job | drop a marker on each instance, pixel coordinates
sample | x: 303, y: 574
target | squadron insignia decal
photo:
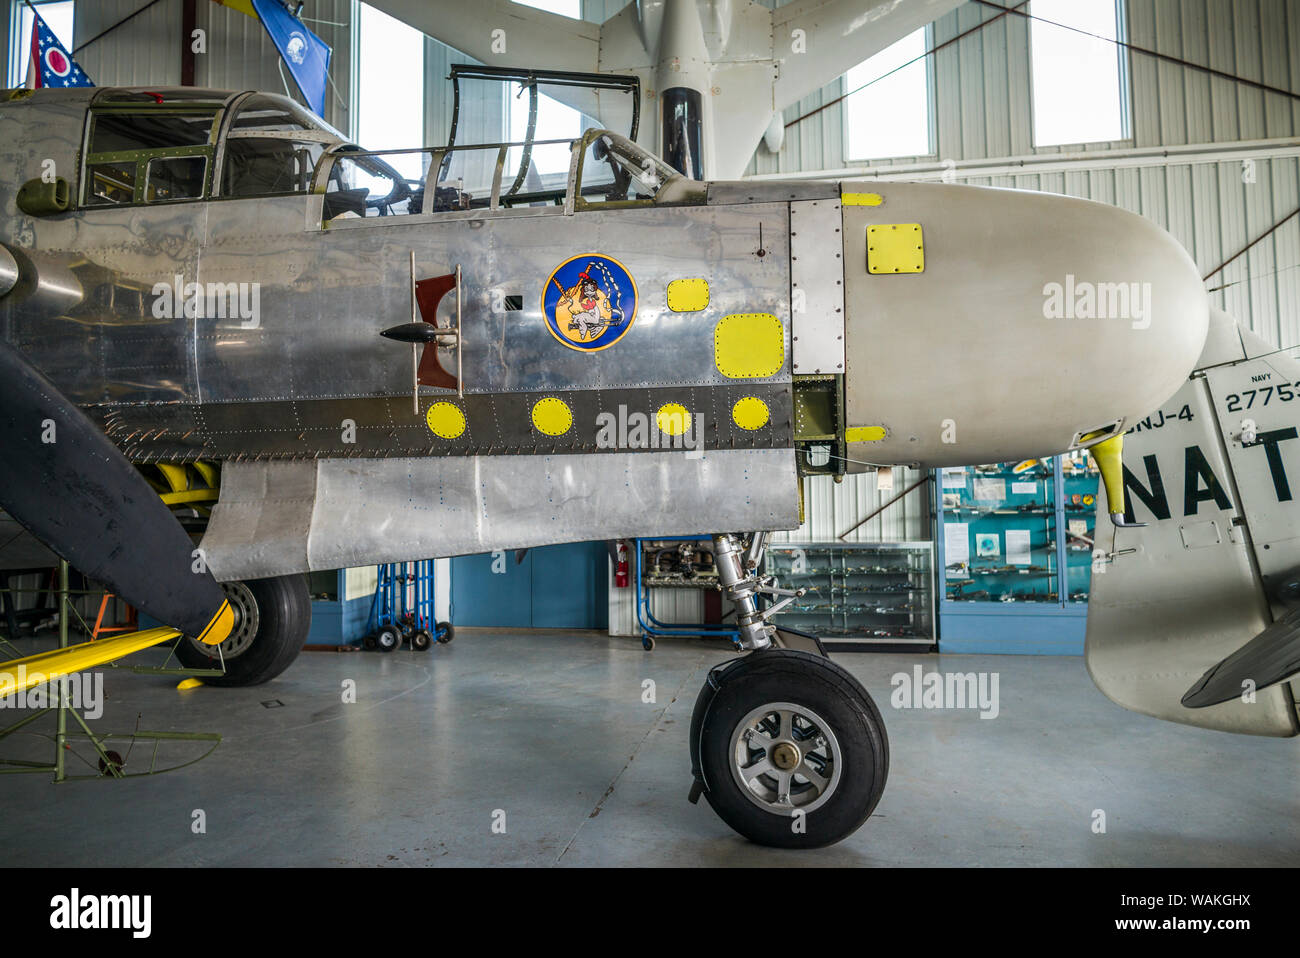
x: 589, y: 302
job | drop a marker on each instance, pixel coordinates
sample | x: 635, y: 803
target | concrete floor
x: 552, y: 730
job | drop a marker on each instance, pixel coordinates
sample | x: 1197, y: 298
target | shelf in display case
x: 860, y: 596
x: 1015, y: 549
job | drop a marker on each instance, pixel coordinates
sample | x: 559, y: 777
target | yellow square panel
x: 749, y: 345
x: 688, y: 295
x: 895, y: 248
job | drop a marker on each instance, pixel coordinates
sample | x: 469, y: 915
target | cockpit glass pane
x: 175, y: 178
x: 361, y: 186
x: 268, y: 165
x: 114, y: 132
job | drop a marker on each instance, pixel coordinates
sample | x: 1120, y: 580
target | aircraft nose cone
x: 1036, y: 318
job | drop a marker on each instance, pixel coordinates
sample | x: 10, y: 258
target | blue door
x: 555, y: 587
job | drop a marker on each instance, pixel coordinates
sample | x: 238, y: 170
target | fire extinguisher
x: 620, y: 568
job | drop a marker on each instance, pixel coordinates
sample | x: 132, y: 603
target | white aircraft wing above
x: 531, y: 37
x: 840, y: 34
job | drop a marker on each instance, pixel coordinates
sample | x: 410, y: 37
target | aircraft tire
x: 277, y: 616
x: 825, y: 702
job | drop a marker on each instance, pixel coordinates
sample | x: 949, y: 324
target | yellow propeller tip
x: 187, y: 684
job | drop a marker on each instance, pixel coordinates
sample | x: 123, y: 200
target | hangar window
x: 154, y: 156
x: 566, y: 8
x: 887, y: 110
x: 389, y: 106
x: 58, y: 16
x: 1080, y: 79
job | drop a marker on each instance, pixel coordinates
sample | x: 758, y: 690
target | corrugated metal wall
x: 982, y: 105
x: 145, y: 51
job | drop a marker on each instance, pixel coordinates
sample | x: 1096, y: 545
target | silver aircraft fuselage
x: 935, y: 324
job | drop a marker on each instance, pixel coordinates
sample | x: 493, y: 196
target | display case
x: 860, y: 596
x: 1015, y: 548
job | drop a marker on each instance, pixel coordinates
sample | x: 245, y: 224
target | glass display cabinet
x: 1015, y: 548
x: 874, y: 596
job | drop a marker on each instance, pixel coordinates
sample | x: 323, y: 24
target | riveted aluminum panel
x: 817, y: 286
x: 287, y: 517
x: 383, y: 427
x: 345, y: 285
x: 729, y: 192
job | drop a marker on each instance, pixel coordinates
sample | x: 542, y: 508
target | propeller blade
x: 71, y: 488
x: 1265, y: 660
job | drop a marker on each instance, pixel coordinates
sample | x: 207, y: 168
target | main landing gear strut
x: 787, y: 747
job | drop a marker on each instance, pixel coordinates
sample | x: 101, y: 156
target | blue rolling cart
x: 403, y: 610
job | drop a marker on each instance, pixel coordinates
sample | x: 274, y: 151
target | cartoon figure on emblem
x: 584, y: 309
x: 589, y: 302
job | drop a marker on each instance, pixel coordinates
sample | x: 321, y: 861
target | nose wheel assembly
x: 786, y: 746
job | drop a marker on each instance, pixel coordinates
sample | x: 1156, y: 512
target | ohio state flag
x: 51, y: 65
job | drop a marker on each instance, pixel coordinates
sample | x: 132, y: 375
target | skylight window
x: 891, y: 116
x: 1078, y: 79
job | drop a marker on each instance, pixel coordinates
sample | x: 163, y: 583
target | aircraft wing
x: 16, y: 675
x: 531, y: 37
x: 840, y: 34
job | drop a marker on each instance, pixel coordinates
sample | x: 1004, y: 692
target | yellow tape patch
x: 749, y: 345
x: 861, y: 199
x: 673, y: 419
x: 865, y: 433
x: 750, y: 412
x: 552, y: 416
x: 446, y: 421
x: 895, y: 248
x: 688, y: 295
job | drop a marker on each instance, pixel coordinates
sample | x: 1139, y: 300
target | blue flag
x: 50, y: 64
x: 306, y: 55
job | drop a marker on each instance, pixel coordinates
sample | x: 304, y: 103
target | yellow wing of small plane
x: 17, y: 675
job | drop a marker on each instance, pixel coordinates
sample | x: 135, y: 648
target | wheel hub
x: 247, y: 621
x: 785, y: 757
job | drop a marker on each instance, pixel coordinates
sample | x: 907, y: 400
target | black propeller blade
x: 1268, y: 658
x: 70, y: 486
